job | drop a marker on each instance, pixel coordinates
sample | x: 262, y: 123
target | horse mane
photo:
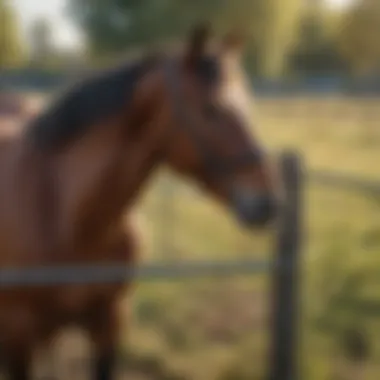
x: 91, y: 100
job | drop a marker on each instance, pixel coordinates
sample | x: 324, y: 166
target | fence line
x: 285, y: 268
x: 347, y: 181
x: 284, y: 271
x: 319, y: 177
x: 114, y: 273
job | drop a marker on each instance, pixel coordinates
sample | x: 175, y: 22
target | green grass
x: 210, y: 329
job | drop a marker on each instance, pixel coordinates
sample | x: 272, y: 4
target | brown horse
x: 67, y: 180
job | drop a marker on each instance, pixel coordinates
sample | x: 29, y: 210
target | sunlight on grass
x: 342, y: 237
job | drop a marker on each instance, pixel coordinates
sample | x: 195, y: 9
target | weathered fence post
x: 286, y: 285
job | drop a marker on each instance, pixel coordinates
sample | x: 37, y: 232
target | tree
x: 111, y: 25
x: 359, y: 37
x: 315, y: 48
x: 279, y: 34
x: 11, y: 47
x: 114, y: 25
x: 41, y: 41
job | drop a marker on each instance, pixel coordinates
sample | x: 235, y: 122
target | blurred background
x: 314, y: 67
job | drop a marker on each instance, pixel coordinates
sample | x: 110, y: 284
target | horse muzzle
x: 254, y: 209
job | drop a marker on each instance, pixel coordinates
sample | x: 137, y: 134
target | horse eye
x: 211, y: 111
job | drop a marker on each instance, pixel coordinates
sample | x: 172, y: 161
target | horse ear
x: 198, y: 43
x: 234, y: 42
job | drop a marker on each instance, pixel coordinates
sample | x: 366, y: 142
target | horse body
x: 67, y: 180
x: 29, y: 230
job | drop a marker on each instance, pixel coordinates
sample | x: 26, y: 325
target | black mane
x: 84, y: 104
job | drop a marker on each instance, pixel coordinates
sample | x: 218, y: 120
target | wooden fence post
x: 286, y: 282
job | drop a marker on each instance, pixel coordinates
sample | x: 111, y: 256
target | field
x: 218, y: 329
x: 217, y: 326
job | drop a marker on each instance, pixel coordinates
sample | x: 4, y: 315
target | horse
x: 72, y: 174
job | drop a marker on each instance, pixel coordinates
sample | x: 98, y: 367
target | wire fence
x: 345, y: 181
x: 114, y: 273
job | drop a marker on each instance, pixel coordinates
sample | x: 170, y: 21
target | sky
x: 65, y: 34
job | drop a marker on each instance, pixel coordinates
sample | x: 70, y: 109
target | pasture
x: 208, y: 329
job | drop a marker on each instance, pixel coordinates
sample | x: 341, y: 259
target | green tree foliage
x: 111, y: 25
x: 315, y: 48
x: 278, y: 36
x: 41, y: 41
x: 360, y: 35
x: 11, y: 49
x: 114, y: 25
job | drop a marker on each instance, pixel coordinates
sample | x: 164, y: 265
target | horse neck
x: 99, y: 179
